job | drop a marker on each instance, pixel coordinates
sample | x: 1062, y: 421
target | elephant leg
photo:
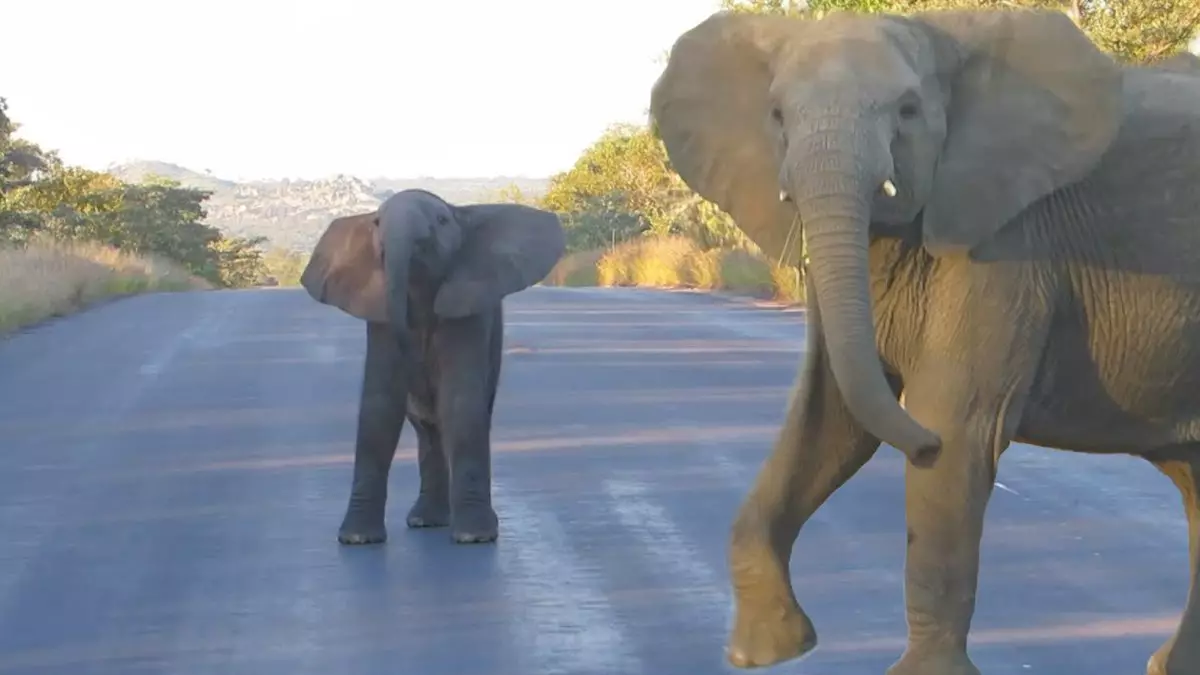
x: 468, y: 449
x: 465, y: 399
x: 818, y: 449
x: 381, y: 412
x: 1181, y: 652
x: 944, y: 506
x: 432, y: 507
x: 976, y: 410
x: 983, y: 332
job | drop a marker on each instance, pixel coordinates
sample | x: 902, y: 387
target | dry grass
x: 676, y: 262
x: 48, y: 278
x: 576, y: 269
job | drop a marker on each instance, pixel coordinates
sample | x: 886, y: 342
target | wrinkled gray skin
x: 428, y: 277
x: 1035, y: 277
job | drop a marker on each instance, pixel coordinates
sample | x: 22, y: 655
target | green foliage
x: 20, y: 160
x: 512, y: 194
x: 1135, y: 31
x: 622, y: 187
x: 283, y: 267
x: 41, y: 196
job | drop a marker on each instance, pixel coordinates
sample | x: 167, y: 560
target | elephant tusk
x: 889, y: 188
x: 783, y: 195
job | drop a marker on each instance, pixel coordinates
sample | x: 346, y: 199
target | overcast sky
x: 311, y: 88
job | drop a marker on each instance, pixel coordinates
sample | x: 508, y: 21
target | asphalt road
x: 173, y: 469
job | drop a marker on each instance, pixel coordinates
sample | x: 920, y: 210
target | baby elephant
x: 428, y: 277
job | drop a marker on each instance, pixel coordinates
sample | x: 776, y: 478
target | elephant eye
x: 777, y: 115
x: 442, y: 219
x: 909, y: 110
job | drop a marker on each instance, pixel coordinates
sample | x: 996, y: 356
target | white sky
x: 311, y: 88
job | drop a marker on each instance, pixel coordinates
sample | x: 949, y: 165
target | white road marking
x: 565, y: 624
x: 707, y: 594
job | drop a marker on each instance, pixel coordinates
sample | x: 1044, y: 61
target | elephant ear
x: 1033, y: 106
x: 506, y: 248
x: 346, y: 268
x: 712, y: 108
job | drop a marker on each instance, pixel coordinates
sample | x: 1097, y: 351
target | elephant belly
x: 1128, y: 383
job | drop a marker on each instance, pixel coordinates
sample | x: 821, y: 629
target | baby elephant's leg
x: 432, y: 507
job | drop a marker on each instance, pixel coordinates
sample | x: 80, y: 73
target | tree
x: 20, y: 164
x: 239, y: 261
x: 20, y: 160
x: 512, y: 194
x: 40, y: 194
x: 623, y: 186
x: 1135, y: 31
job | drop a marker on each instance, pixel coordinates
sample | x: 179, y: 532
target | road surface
x: 174, y: 468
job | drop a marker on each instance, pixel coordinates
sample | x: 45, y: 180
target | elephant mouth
x: 906, y: 229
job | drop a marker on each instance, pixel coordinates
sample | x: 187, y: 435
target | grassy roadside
x: 677, y: 262
x: 48, y: 278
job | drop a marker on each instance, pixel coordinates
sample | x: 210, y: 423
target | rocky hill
x: 291, y: 214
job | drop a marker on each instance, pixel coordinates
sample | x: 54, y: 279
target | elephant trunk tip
x: 923, y: 449
x: 920, y: 445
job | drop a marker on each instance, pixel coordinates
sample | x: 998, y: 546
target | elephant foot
x: 1157, y: 665
x: 769, y: 626
x: 428, y: 512
x: 1174, y: 658
x: 765, y: 638
x: 940, y: 662
x: 358, y: 529
x: 475, y: 525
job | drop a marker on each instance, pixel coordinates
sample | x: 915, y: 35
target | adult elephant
x: 429, y: 278
x: 1183, y: 62
x: 1003, y: 226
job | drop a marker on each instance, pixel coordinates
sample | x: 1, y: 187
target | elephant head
x: 470, y: 256
x: 952, y: 122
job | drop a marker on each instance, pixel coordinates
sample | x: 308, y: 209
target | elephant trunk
x: 832, y: 184
x: 397, y: 257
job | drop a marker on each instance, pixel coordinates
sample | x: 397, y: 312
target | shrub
x: 48, y: 278
x: 678, y: 262
x: 575, y: 269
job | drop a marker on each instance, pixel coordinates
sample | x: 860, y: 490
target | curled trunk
x: 832, y: 192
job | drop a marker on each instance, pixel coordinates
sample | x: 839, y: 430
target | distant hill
x: 291, y: 214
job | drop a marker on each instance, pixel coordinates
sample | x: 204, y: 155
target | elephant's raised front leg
x: 381, y: 411
x: 432, y: 507
x: 1181, y: 653
x: 818, y: 449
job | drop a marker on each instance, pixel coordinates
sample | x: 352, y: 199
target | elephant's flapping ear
x: 506, y: 248
x: 346, y: 268
x: 712, y: 109
x: 1033, y: 106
